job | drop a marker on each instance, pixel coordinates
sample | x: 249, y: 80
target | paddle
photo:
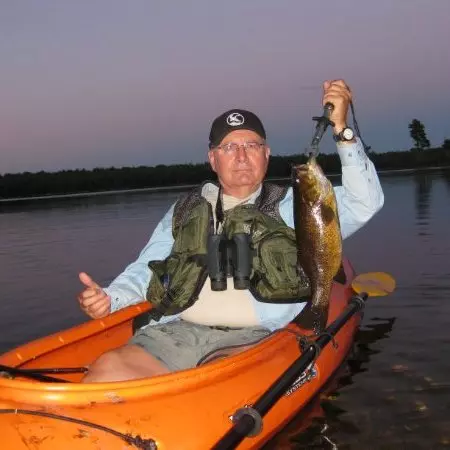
x: 248, y: 421
x: 376, y: 284
x: 39, y: 374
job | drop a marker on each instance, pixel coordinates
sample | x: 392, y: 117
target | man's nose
x: 241, y: 153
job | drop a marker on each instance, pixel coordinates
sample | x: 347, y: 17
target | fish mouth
x: 304, y: 167
x: 300, y: 170
x: 301, y: 174
x: 301, y: 167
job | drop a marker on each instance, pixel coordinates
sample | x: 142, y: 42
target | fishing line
x: 356, y: 127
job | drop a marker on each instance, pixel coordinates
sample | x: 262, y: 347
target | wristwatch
x: 345, y: 135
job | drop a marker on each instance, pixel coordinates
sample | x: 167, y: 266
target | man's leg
x: 124, y: 363
x: 161, y: 349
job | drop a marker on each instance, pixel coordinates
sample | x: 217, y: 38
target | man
x: 191, y: 317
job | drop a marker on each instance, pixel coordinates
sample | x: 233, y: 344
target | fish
x: 318, y: 238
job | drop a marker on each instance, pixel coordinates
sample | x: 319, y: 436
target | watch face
x: 347, y: 134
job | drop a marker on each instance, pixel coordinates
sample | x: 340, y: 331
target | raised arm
x: 360, y: 197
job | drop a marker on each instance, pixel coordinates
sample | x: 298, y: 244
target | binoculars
x: 229, y: 257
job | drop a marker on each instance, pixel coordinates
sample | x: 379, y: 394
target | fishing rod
x: 323, y: 122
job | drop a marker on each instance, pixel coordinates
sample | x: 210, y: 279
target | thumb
x: 88, y: 281
x: 326, y: 85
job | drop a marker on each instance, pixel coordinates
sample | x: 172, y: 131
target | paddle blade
x: 376, y: 284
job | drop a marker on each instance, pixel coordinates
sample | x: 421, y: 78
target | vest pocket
x: 192, y: 234
x: 276, y: 275
x: 176, y: 283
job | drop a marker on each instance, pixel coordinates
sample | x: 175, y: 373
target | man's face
x: 240, y: 171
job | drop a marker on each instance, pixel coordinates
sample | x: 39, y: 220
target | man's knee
x: 110, y: 360
x: 108, y: 366
x: 127, y: 362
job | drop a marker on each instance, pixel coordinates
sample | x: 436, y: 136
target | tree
x: 418, y: 134
x: 446, y: 143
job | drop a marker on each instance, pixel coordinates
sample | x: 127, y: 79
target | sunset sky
x: 104, y: 83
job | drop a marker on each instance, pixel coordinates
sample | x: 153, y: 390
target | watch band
x: 340, y: 137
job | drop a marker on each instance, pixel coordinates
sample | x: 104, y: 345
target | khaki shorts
x: 181, y: 344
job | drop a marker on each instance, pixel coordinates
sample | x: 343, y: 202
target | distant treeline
x: 80, y: 181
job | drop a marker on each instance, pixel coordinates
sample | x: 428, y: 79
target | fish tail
x: 315, y: 316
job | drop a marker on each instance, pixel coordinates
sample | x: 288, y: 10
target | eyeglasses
x: 233, y: 147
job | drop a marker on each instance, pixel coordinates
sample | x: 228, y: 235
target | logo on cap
x: 235, y: 119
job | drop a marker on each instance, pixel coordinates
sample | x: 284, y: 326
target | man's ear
x: 212, y: 160
x: 267, y: 152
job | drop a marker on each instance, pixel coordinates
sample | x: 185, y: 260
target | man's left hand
x: 339, y: 94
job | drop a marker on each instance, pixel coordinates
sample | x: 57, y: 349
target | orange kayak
x: 191, y: 409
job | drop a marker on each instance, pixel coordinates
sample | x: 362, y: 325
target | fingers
x: 87, y: 280
x: 93, y: 299
x: 92, y: 292
x: 336, y: 89
x: 99, y: 309
x: 335, y: 83
x: 89, y: 300
x: 339, y: 94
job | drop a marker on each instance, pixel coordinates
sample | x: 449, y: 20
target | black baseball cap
x: 234, y: 119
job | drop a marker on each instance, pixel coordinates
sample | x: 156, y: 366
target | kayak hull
x: 190, y: 409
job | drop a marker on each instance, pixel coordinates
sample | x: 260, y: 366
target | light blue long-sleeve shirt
x: 358, y: 198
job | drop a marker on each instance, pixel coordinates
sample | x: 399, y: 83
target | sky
x: 104, y: 83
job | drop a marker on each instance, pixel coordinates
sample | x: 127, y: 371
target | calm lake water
x: 394, y: 392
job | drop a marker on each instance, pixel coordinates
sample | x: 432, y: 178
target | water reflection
x: 91, y: 201
x: 433, y: 279
x: 446, y: 177
x: 314, y: 427
x: 423, y: 188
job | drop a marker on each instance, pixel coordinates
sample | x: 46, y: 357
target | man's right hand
x: 93, y: 299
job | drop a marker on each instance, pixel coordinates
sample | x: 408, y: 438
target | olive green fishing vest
x: 177, y: 280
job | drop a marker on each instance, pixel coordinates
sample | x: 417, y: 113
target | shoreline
x: 188, y: 186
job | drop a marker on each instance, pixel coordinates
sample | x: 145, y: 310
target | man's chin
x: 244, y: 179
